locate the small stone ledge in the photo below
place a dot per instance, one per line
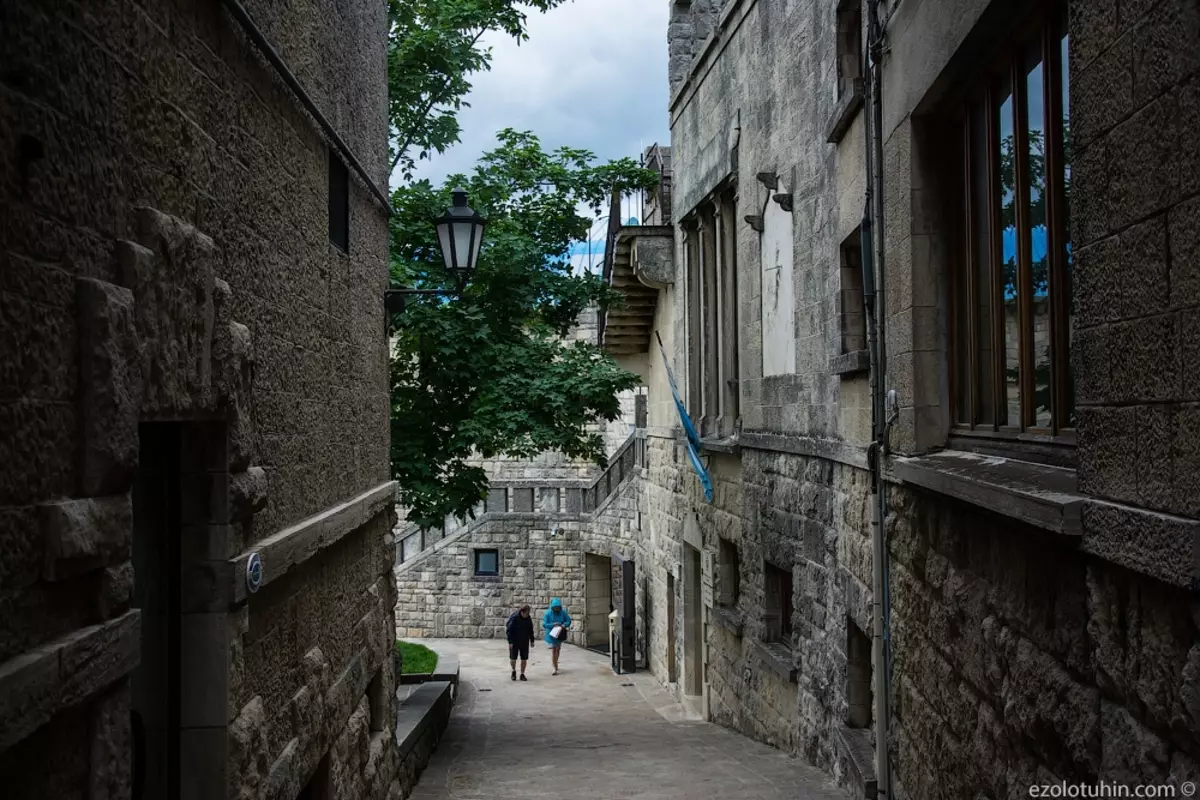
(729, 445)
(850, 363)
(857, 747)
(1043, 496)
(424, 714)
(1161, 546)
(728, 619)
(34, 686)
(445, 670)
(295, 545)
(831, 449)
(843, 116)
(777, 658)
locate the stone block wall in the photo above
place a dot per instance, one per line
(541, 556)
(1135, 99)
(1020, 661)
(166, 261)
(1020, 656)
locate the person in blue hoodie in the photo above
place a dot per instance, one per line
(554, 616)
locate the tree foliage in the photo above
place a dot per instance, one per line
(433, 48)
(487, 373)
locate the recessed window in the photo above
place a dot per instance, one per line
(854, 318)
(730, 574)
(710, 249)
(858, 677)
(777, 619)
(487, 562)
(1014, 314)
(849, 45)
(339, 203)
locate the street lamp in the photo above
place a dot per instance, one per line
(460, 235)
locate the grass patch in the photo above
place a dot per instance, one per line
(418, 659)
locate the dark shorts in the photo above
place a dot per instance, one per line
(518, 650)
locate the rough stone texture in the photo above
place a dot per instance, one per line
(1136, 217)
(541, 556)
(83, 534)
(110, 380)
(165, 258)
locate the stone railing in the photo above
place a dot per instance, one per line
(565, 499)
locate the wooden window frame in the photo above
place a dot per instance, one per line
(1056, 441)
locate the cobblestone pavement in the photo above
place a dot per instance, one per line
(584, 734)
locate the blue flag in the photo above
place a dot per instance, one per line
(693, 438)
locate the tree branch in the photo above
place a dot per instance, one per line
(434, 99)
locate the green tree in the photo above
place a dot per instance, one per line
(434, 46)
(488, 373)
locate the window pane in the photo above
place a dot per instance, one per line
(486, 562)
(1035, 103)
(1068, 260)
(1011, 414)
(981, 232)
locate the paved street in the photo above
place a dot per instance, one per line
(582, 734)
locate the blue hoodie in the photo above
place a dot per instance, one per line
(555, 615)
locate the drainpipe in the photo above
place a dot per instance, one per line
(873, 295)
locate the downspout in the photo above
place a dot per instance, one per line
(873, 295)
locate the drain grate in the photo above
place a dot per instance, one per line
(485, 690)
(627, 684)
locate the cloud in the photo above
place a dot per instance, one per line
(593, 75)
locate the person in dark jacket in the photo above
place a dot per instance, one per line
(520, 639)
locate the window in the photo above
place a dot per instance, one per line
(778, 618)
(1013, 310)
(710, 247)
(858, 677)
(849, 45)
(730, 575)
(339, 203)
(854, 318)
(487, 562)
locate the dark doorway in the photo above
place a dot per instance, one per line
(155, 683)
(692, 623)
(598, 601)
(672, 670)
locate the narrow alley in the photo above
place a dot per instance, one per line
(589, 733)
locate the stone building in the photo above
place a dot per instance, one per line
(195, 593)
(1039, 309)
(547, 524)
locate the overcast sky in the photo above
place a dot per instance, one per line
(592, 75)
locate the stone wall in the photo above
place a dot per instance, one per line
(1135, 101)
(1020, 656)
(1019, 660)
(541, 556)
(167, 273)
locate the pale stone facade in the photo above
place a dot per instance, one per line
(192, 280)
(1036, 635)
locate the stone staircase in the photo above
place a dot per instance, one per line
(526, 500)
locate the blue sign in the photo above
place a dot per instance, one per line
(254, 573)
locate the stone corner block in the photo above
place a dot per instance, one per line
(110, 382)
(85, 534)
